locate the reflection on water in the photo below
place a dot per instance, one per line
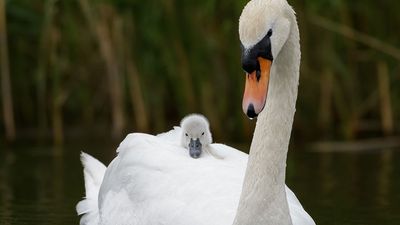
(39, 187)
(348, 188)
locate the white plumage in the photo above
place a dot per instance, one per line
(93, 172)
(154, 181)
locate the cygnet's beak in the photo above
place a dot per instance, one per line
(195, 148)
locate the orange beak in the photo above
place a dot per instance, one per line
(256, 89)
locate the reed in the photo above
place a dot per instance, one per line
(110, 67)
(7, 99)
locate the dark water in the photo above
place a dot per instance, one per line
(40, 186)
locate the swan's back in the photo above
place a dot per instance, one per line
(153, 180)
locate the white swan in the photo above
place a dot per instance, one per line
(152, 181)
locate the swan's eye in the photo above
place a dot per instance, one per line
(186, 134)
(202, 133)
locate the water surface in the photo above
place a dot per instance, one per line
(41, 185)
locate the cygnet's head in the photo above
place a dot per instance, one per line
(195, 134)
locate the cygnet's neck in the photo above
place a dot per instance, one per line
(263, 199)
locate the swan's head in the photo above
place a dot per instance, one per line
(264, 27)
(195, 134)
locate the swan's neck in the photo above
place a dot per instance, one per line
(263, 199)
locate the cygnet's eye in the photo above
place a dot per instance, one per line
(202, 133)
(186, 134)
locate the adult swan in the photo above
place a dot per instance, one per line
(153, 181)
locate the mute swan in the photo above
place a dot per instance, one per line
(152, 181)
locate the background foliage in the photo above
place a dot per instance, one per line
(109, 67)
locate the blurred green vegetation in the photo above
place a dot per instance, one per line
(109, 67)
